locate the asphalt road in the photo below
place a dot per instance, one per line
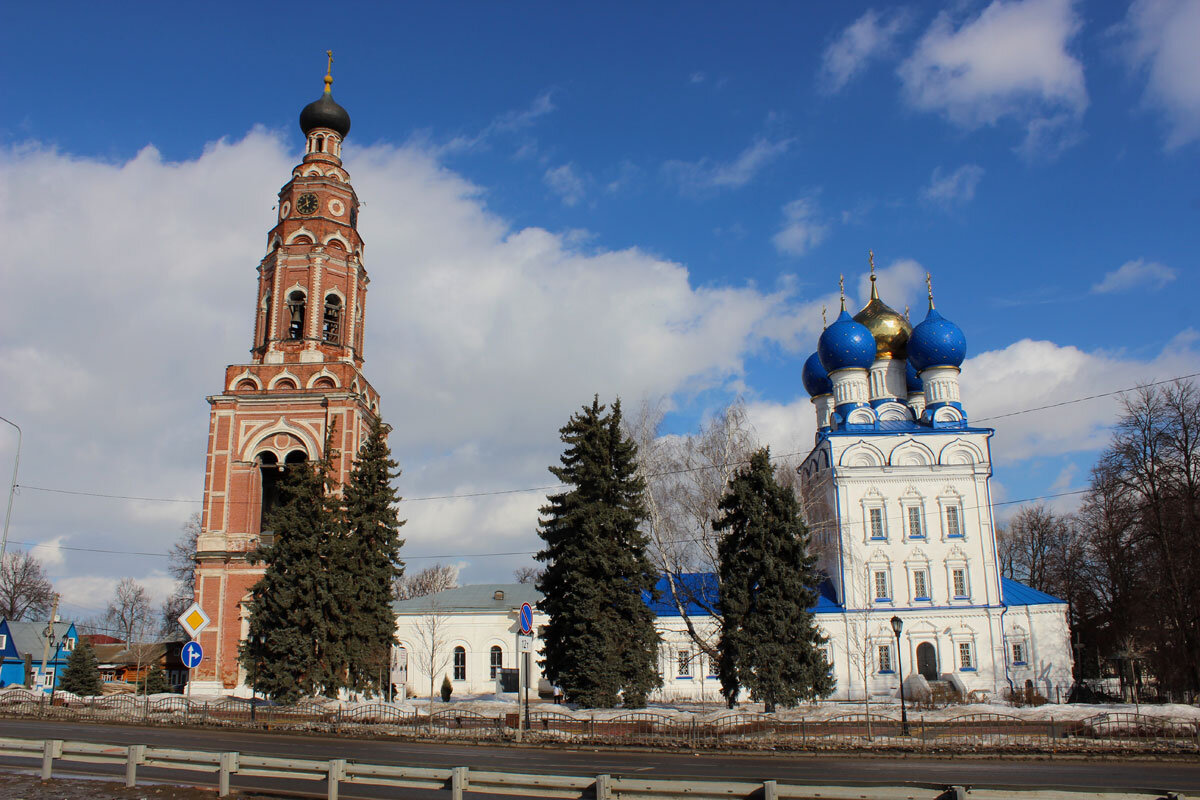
(1109, 772)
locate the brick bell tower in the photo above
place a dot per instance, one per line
(304, 379)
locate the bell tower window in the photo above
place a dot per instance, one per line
(296, 308)
(333, 314)
(272, 475)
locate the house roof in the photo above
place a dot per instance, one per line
(143, 653)
(699, 591)
(480, 597)
(27, 636)
(1015, 593)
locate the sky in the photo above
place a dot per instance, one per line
(646, 202)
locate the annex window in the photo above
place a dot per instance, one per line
(683, 661)
(953, 522)
(885, 657)
(3, 640)
(958, 576)
(47, 678)
(966, 659)
(1018, 653)
(497, 660)
(460, 664)
(296, 303)
(331, 322)
(915, 531)
(920, 585)
(875, 521)
(881, 585)
(68, 644)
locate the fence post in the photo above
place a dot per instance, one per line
(146, 710)
(770, 790)
(459, 781)
(336, 771)
(922, 732)
(133, 756)
(229, 764)
(51, 749)
(603, 787)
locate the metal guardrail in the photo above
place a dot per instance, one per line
(1114, 731)
(337, 772)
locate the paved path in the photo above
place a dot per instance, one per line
(1108, 772)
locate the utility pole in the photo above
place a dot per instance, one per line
(12, 488)
(49, 637)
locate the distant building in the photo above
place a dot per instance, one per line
(129, 664)
(19, 639)
(476, 631)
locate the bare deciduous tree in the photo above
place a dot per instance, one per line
(182, 566)
(130, 613)
(25, 592)
(432, 649)
(430, 580)
(526, 574)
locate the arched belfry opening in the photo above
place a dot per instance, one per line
(272, 473)
(296, 304)
(332, 320)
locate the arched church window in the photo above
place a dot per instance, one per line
(296, 303)
(332, 319)
(247, 385)
(271, 472)
(320, 144)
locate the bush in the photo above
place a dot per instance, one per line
(447, 689)
(82, 675)
(155, 682)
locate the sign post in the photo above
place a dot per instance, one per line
(193, 620)
(525, 644)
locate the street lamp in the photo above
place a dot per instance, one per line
(255, 642)
(12, 489)
(51, 642)
(897, 625)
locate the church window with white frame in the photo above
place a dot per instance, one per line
(1018, 653)
(875, 523)
(953, 522)
(683, 660)
(915, 529)
(966, 656)
(879, 579)
(958, 578)
(460, 663)
(920, 584)
(885, 657)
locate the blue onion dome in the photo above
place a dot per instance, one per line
(846, 343)
(936, 342)
(915, 384)
(816, 379)
(324, 112)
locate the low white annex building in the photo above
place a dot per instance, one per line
(896, 494)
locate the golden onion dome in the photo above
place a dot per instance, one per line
(889, 327)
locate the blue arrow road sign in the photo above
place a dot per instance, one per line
(526, 618)
(192, 654)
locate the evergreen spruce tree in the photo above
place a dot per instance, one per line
(82, 674)
(600, 641)
(155, 682)
(294, 646)
(769, 640)
(367, 564)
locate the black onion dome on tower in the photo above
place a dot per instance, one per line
(324, 112)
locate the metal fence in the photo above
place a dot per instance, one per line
(850, 730)
(221, 768)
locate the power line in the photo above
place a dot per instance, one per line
(1089, 397)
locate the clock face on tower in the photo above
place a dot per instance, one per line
(307, 204)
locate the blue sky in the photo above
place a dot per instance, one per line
(708, 170)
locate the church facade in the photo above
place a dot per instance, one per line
(302, 390)
(897, 495)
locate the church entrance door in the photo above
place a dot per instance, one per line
(927, 661)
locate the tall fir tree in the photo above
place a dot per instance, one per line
(600, 642)
(294, 646)
(369, 564)
(82, 675)
(769, 643)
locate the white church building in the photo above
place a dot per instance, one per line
(896, 495)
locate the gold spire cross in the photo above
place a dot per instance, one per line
(842, 290)
(929, 286)
(871, 258)
(329, 71)
(824, 323)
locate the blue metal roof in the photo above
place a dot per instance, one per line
(1015, 593)
(701, 592)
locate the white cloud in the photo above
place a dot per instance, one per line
(954, 188)
(565, 182)
(870, 36)
(1133, 274)
(510, 122)
(697, 77)
(708, 175)
(802, 227)
(481, 337)
(1161, 38)
(1013, 60)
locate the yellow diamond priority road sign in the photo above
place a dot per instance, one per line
(194, 620)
